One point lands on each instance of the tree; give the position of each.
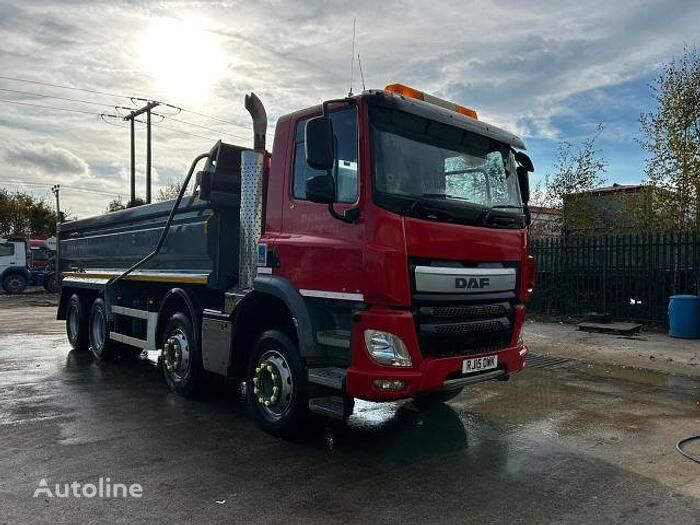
(118, 204)
(170, 191)
(577, 170)
(24, 215)
(671, 137)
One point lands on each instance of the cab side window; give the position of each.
(6, 249)
(345, 171)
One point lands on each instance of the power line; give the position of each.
(42, 95)
(187, 123)
(105, 93)
(47, 107)
(37, 82)
(74, 188)
(177, 130)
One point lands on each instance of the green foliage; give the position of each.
(170, 191)
(118, 204)
(671, 137)
(24, 215)
(578, 169)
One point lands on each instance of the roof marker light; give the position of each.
(410, 92)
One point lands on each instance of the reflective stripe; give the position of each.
(332, 295)
(158, 277)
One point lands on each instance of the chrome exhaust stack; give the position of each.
(259, 116)
(251, 195)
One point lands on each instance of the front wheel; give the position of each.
(181, 361)
(277, 393)
(14, 283)
(435, 398)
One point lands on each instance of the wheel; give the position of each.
(51, 283)
(277, 393)
(101, 346)
(435, 398)
(14, 283)
(76, 324)
(181, 362)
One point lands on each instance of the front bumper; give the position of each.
(427, 374)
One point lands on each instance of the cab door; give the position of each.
(321, 255)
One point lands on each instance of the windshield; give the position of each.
(420, 164)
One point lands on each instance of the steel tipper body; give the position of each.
(379, 252)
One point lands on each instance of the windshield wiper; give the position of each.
(427, 211)
(504, 220)
(442, 196)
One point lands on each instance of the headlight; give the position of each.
(386, 348)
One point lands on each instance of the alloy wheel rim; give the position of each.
(273, 386)
(176, 355)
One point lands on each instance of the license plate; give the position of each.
(478, 364)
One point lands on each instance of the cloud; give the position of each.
(548, 71)
(47, 159)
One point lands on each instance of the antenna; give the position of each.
(362, 75)
(352, 56)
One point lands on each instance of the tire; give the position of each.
(76, 324)
(51, 283)
(435, 398)
(181, 361)
(14, 283)
(101, 346)
(275, 363)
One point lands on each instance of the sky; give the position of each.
(547, 70)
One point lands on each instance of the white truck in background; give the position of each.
(14, 273)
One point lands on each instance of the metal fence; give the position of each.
(628, 276)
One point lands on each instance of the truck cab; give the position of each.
(416, 278)
(14, 274)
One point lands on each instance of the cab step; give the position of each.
(331, 377)
(334, 407)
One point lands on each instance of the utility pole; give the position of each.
(132, 117)
(148, 156)
(133, 164)
(56, 189)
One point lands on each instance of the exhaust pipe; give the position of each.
(251, 196)
(257, 112)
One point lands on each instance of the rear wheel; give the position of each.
(14, 283)
(435, 398)
(51, 283)
(277, 393)
(100, 344)
(181, 362)
(76, 324)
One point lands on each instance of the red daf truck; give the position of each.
(379, 252)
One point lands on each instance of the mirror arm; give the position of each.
(351, 215)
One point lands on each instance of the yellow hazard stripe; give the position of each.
(180, 278)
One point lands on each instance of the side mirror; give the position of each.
(524, 183)
(319, 143)
(321, 188)
(524, 161)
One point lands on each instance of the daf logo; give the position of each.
(471, 282)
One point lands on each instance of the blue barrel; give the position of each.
(684, 316)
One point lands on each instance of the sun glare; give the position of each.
(182, 57)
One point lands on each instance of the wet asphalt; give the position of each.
(579, 444)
